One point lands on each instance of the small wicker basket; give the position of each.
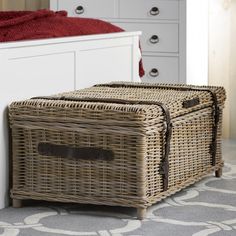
(126, 144)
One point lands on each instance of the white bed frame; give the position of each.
(44, 67)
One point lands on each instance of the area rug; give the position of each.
(206, 208)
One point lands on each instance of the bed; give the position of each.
(47, 66)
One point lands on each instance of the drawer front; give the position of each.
(161, 69)
(88, 8)
(156, 37)
(149, 9)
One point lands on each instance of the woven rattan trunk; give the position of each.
(129, 144)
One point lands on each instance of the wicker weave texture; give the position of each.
(134, 132)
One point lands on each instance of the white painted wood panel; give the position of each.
(143, 9)
(45, 67)
(110, 66)
(54, 5)
(166, 69)
(24, 77)
(167, 36)
(86, 8)
(39, 73)
(181, 25)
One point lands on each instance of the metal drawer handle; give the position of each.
(154, 39)
(154, 72)
(154, 11)
(79, 10)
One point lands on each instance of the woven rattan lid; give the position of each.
(179, 99)
(148, 99)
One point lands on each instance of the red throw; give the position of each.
(26, 25)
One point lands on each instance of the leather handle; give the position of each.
(191, 103)
(84, 153)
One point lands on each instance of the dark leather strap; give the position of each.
(216, 118)
(215, 107)
(84, 153)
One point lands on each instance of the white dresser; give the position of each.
(175, 33)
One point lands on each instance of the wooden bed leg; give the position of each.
(218, 173)
(141, 213)
(16, 203)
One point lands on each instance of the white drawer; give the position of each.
(149, 9)
(161, 69)
(156, 37)
(88, 8)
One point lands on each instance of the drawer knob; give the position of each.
(154, 72)
(154, 39)
(154, 11)
(79, 10)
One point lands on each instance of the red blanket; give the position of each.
(26, 25)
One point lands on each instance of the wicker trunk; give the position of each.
(125, 144)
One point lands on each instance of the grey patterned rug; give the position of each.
(206, 208)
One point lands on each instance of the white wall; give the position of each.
(222, 57)
(232, 71)
(197, 42)
(219, 51)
